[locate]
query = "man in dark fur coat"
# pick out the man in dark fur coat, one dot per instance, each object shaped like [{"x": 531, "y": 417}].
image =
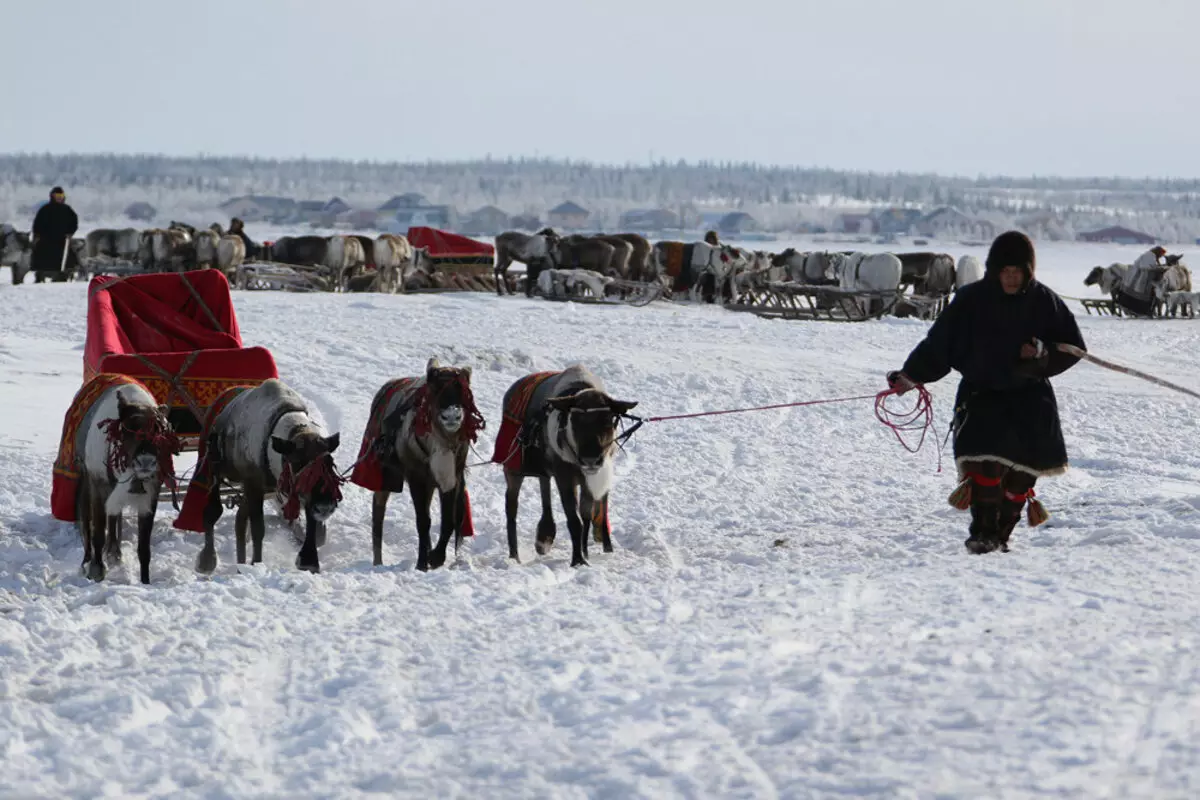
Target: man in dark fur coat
[
  {"x": 1000, "y": 335},
  {"x": 53, "y": 227}
]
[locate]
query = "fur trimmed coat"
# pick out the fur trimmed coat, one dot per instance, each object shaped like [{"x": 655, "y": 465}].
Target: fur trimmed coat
[{"x": 1005, "y": 410}]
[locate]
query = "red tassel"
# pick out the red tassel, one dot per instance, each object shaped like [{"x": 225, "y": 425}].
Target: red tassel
[
  {"x": 1036, "y": 513},
  {"x": 960, "y": 498}
]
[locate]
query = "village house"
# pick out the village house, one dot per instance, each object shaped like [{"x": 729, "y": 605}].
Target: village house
[
  {"x": 736, "y": 222},
  {"x": 1117, "y": 235},
  {"x": 567, "y": 215},
  {"x": 260, "y": 208},
  {"x": 526, "y": 222},
  {"x": 140, "y": 212},
  {"x": 404, "y": 211},
  {"x": 950, "y": 223},
  {"x": 485, "y": 221},
  {"x": 853, "y": 223},
  {"x": 649, "y": 219},
  {"x": 895, "y": 221}
]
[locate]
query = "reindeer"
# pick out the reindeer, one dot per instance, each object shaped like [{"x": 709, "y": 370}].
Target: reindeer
[
  {"x": 420, "y": 431},
  {"x": 125, "y": 448},
  {"x": 561, "y": 426},
  {"x": 264, "y": 440}
]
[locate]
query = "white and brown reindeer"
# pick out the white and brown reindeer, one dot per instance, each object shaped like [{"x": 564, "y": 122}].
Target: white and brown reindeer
[
  {"x": 420, "y": 431},
  {"x": 561, "y": 426},
  {"x": 125, "y": 448},
  {"x": 264, "y": 441}
]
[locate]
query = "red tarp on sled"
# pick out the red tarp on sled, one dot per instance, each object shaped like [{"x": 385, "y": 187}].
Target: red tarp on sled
[
  {"x": 171, "y": 330},
  {"x": 450, "y": 249}
]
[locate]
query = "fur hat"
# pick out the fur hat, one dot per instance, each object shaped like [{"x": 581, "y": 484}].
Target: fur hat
[
  {"x": 57, "y": 190},
  {"x": 1011, "y": 249}
]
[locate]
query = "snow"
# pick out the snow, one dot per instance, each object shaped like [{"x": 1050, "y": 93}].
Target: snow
[{"x": 789, "y": 612}]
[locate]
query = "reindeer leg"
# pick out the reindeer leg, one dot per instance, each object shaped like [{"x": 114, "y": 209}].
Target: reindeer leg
[
  {"x": 379, "y": 503},
  {"x": 566, "y": 493},
  {"x": 112, "y": 545},
  {"x": 258, "y": 527},
  {"x": 206, "y": 561},
  {"x": 240, "y": 524},
  {"x": 96, "y": 568},
  {"x": 145, "y": 526},
  {"x": 421, "y": 492},
  {"x": 587, "y": 508},
  {"x": 85, "y": 512},
  {"x": 546, "y": 531},
  {"x": 307, "y": 559},
  {"x": 451, "y": 501},
  {"x": 605, "y": 533},
  {"x": 512, "y": 500}
]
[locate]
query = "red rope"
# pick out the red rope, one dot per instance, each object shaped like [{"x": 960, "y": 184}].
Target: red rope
[{"x": 919, "y": 418}]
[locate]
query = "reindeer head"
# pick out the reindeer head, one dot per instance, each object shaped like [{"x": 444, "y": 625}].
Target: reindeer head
[
  {"x": 449, "y": 405},
  {"x": 1094, "y": 276},
  {"x": 314, "y": 482},
  {"x": 140, "y": 442},
  {"x": 590, "y": 425}
]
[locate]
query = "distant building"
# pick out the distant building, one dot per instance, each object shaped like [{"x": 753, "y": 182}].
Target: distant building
[
  {"x": 140, "y": 212},
  {"x": 737, "y": 222},
  {"x": 895, "y": 221},
  {"x": 1117, "y": 235},
  {"x": 950, "y": 223},
  {"x": 356, "y": 219},
  {"x": 404, "y": 201},
  {"x": 853, "y": 223},
  {"x": 567, "y": 215},
  {"x": 260, "y": 208},
  {"x": 526, "y": 222},
  {"x": 318, "y": 212},
  {"x": 486, "y": 221},
  {"x": 441, "y": 217},
  {"x": 649, "y": 219}
]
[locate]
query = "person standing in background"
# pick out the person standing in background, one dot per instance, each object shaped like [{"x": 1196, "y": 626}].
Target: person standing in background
[{"x": 53, "y": 227}]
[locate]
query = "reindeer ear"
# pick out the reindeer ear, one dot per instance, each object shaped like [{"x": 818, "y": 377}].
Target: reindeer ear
[
  {"x": 431, "y": 365},
  {"x": 466, "y": 371},
  {"x": 562, "y": 403},
  {"x": 284, "y": 447},
  {"x": 332, "y": 442},
  {"x": 622, "y": 406}
]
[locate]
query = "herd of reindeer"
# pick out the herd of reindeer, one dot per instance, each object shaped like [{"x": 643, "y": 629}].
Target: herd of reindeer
[
  {"x": 559, "y": 266},
  {"x": 556, "y": 265}
]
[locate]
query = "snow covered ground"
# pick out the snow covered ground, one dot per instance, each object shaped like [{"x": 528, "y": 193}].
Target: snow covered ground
[{"x": 789, "y": 611}]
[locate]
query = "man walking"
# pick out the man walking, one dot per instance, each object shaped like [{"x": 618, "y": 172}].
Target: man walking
[{"x": 53, "y": 228}]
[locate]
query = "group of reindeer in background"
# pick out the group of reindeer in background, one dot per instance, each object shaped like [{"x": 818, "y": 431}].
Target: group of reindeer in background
[
  {"x": 1160, "y": 290},
  {"x": 713, "y": 271}
]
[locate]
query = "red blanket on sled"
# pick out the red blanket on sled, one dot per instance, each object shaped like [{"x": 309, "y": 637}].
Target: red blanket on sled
[
  {"x": 368, "y": 467},
  {"x": 202, "y": 484},
  {"x": 173, "y": 323},
  {"x": 65, "y": 480},
  {"x": 508, "y": 449}
]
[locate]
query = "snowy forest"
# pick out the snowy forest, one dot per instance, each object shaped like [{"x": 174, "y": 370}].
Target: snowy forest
[{"x": 779, "y": 198}]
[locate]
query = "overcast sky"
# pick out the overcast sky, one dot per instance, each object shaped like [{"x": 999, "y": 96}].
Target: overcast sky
[{"x": 1017, "y": 87}]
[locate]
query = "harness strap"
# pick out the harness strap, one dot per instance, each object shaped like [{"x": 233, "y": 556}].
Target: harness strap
[
  {"x": 203, "y": 305},
  {"x": 174, "y": 383}
]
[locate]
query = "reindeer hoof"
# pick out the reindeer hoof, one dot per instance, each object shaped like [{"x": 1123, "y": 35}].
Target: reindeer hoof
[
  {"x": 206, "y": 562},
  {"x": 95, "y": 570},
  {"x": 437, "y": 559},
  {"x": 580, "y": 562},
  {"x": 308, "y": 566}
]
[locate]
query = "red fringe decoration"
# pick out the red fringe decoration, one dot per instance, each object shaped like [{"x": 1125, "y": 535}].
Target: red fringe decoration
[
  {"x": 157, "y": 433},
  {"x": 320, "y": 471}
]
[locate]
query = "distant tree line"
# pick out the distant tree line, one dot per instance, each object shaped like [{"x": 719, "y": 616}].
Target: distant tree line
[{"x": 781, "y": 198}]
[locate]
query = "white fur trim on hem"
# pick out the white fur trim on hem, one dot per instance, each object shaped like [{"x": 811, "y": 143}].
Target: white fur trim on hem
[{"x": 1037, "y": 473}]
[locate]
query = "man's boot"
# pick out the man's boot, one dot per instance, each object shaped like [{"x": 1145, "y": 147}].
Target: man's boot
[
  {"x": 986, "y": 494},
  {"x": 1018, "y": 488}
]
